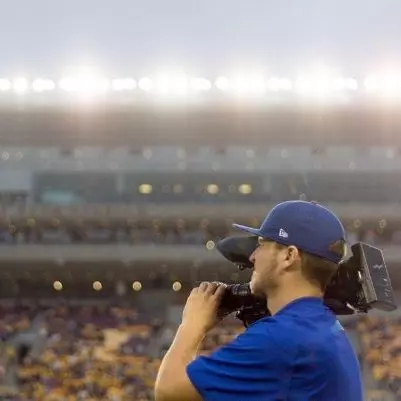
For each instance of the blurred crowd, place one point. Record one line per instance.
(76, 351)
(381, 343)
(153, 235)
(86, 352)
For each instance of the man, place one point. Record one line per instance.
(301, 352)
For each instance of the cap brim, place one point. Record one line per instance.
(251, 230)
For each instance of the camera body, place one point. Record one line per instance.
(361, 283)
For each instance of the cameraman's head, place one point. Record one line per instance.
(300, 246)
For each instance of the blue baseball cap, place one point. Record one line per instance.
(309, 226)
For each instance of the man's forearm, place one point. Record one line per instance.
(173, 367)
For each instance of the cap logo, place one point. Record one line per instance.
(282, 233)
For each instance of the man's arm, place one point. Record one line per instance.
(254, 366)
(199, 316)
(249, 368)
(172, 381)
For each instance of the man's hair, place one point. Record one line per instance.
(320, 271)
(317, 270)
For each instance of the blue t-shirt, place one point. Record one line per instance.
(300, 354)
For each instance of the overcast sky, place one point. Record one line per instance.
(207, 36)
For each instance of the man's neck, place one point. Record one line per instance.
(280, 298)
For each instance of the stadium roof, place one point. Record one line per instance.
(190, 125)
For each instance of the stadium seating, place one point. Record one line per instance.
(381, 342)
(92, 352)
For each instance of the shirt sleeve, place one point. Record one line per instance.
(252, 367)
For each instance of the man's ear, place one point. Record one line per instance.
(293, 258)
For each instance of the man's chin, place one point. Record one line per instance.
(254, 288)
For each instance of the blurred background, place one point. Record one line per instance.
(133, 134)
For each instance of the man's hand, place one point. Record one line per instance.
(200, 312)
(199, 316)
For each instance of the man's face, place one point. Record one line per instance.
(267, 259)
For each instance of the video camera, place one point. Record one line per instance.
(361, 283)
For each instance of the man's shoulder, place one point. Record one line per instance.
(304, 341)
(292, 332)
(278, 333)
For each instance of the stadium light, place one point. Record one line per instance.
(91, 85)
(351, 84)
(86, 84)
(97, 286)
(146, 84)
(307, 85)
(66, 84)
(200, 84)
(276, 84)
(20, 85)
(125, 84)
(286, 84)
(145, 189)
(273, 84)
(43, 85)
(323, 85)
(212, 189)
(5, 85)
(249, 85)
(222, 83)
(343, 84)
(245, 189)
(210, 245)
(339, 84)
(385, 84)
(320, 84)
(177, 286)
(162, 85)
(241, 85)
(257, 84)
(371, 83)
(172, 85)
(391, 84)
(57, 285)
